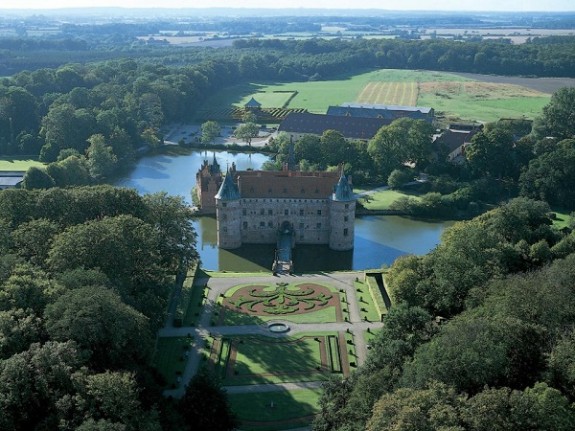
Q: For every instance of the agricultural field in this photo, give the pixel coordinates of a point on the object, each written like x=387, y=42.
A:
x=453, y=96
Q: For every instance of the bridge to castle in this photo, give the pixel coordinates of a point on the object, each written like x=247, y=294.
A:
x=283, y=259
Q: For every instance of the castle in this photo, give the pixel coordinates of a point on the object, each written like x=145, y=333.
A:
x=258, y=207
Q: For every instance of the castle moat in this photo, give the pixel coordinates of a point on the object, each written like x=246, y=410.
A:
x=379, y=240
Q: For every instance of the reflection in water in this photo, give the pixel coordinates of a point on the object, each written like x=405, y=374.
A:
x=379, y=240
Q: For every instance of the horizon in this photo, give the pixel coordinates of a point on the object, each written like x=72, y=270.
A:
x=298, y=5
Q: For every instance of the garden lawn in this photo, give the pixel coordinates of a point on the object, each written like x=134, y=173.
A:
x=367, y=308
x=562, y=218
x=294, y=406
x=169, y=357
x=381, y=200
x=269, y=360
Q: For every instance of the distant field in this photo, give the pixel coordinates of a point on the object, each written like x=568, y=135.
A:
x=18, y=164
x=451, y=95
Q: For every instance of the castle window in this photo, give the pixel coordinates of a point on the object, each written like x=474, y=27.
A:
x=262, y=211
x=286, y=212
x=316, y=190
x=346, y=218
x=318, y=212
x=262, y=224
x=318, y=225
x=345, y=232
x=224, y=217
x=224, y=204
x=302, y=191
x=346, y=206
x=245, y=225
x=270, y=212
x=300, y=212
x=225, y=228
x=244, y=212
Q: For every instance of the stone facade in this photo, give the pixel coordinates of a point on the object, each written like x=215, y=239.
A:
x=252, y=206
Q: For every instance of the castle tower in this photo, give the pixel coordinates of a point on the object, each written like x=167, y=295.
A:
x=228, y=214
x=208, y=182
x=342, y=215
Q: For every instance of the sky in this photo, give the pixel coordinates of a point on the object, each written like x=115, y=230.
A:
x=435, y=5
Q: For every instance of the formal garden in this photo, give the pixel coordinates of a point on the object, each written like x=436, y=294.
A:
x=261, y=330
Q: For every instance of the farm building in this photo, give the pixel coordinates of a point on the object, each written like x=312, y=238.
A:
x=11, y=179
x=453, y=142
x=388, y=112
x=264, y=207
x=299, y=124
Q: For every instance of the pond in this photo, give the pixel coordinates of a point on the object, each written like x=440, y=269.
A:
x=379, y=240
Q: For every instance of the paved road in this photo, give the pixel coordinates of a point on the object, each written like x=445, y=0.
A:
x=219, y=285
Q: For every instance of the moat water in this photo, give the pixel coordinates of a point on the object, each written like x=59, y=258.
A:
x=379, y=240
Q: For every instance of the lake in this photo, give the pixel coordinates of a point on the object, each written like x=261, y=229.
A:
x=379, y=240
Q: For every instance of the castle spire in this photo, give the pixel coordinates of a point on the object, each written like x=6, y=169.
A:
x=343, y=190
x=228, y=190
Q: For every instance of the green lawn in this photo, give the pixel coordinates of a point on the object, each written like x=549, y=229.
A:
x=365, y=301
x=562, y=219
x=500, y=101
x=294, y=406
x=381, y=200
x=170, y=357
x=8, y=163
x=268, y=360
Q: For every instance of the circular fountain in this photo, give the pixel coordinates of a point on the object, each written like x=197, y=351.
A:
x=278, y=327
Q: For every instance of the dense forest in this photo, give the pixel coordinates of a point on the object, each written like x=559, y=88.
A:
x=85, y=277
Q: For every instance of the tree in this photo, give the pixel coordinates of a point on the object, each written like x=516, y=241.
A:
x=126, y=250
x=37, y=178
x=551, y=176
x=112, y=332
x=247, y=132
x=172, y=219
x=399, y=177
x=559, y=113
x=539, y=407
x=34, y=382
x=101, y=158
x=435, y=408
x=334, y=148
x=33, y=239
x=205, y=406
x=210, y=131
x=493, y=154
